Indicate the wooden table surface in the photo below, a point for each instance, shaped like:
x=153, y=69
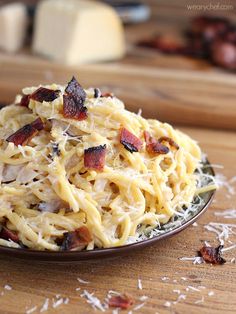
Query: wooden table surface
x=175, y=89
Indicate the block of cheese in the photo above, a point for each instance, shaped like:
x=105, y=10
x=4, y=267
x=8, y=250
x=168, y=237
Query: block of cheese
x=13, y=26
x=78, y=31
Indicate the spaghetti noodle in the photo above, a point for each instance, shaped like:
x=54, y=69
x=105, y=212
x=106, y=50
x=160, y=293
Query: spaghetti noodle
x=77, y=173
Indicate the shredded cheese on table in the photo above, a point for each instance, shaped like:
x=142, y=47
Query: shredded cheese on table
x=52, y=192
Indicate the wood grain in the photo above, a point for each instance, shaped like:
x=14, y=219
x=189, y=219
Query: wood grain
x=180, y=96
x=32, y=282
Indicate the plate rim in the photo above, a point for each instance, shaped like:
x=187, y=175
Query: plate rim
x=73, y=256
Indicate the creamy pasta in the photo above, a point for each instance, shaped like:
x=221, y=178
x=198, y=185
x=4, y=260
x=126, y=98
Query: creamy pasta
x=47, y=191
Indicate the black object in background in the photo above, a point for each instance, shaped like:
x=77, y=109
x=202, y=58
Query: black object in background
x=131, y=11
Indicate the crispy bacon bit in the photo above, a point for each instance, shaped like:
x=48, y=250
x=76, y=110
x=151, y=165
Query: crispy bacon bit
x=163, y=43
x=153, y=146
x=131, y=142
x=212, y=255
x=121, y=301
x=7, y=234
x=107, y=94
x=23, y=135
x=38, y=124
x=26, y=133
x=224, y=54
x=44, y=94
x=75, y=90
x=94, y=157
x=24, y=102
x=73, y=101
x=168, y=140
x=207, y=37
x=76, y=240
x=71, y=109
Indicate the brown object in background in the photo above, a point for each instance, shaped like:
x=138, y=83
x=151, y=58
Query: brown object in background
x=165, y=43
x=211, y=38
x=224, y=54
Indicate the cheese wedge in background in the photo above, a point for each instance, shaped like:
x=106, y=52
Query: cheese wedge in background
x=78, y=31
x=13, y=26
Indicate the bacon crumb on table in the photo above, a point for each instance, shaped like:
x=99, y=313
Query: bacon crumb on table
x=122, y=301
x=212, y=255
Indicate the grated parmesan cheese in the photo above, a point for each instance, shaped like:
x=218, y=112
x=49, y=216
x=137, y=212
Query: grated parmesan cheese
x=195, y=259
x=229, y=213
x=229, y=248
x=222, y=230
x=222, y=181
x=33, y=309
x=165, y=278
x=7, y=287
x=45, y=306
x=193, y=288
x=93, y=301
x=139, y=306
x=83, y=281
x=140, y=286
x=57, y=303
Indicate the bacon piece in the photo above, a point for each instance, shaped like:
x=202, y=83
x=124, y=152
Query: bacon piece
x=224, y=54
x=168, y=140
x=38, y=124
x=212, y=255
x=230, y=35
x=163, y=43
x=73, y=101
x=131, y=142
x=208, y=27
x=153, y=146
x=121, y=301
x=44, y=94
x=7, y=234
x=24, y=102
x=75, y=90
x=72, y=110
x=23, y=135
x=107, y=94
x=76, y=240
x=94, y=157
x=26, y=133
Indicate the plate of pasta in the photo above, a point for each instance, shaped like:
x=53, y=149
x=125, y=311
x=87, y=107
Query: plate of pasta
x=82, y=177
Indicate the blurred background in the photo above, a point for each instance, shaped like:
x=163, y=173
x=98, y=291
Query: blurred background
x=176, y=60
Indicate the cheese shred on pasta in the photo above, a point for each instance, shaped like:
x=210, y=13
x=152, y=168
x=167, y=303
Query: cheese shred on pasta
x=46, y=190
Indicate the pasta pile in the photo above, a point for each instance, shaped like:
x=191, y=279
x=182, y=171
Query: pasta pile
x=47, y=192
